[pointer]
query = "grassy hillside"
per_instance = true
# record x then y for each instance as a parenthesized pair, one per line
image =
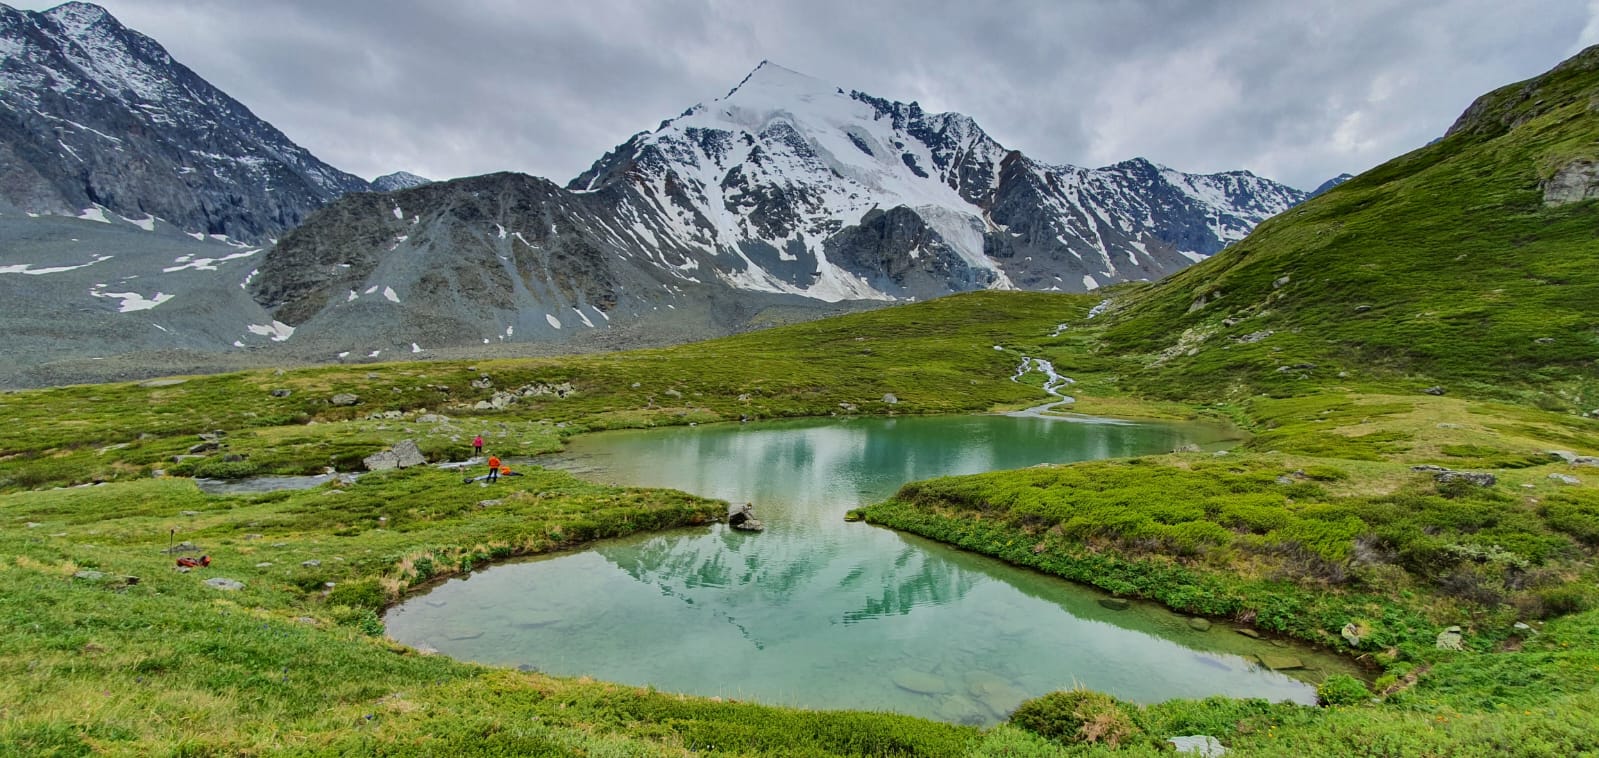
(1442, 265)
(935, 357)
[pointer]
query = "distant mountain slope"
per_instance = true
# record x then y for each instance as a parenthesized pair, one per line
(1330, 183)
(1472, 260)
(495, 259)
(74, 292)
(94, 115)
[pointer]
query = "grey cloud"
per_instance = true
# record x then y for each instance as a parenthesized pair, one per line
(1294, 91)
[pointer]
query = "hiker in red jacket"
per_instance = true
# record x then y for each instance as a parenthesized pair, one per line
(477, 445)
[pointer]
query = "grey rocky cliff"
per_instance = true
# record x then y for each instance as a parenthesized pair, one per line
(1574, 182)
(93, 113)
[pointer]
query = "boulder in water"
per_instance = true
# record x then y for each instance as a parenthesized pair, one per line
(742, 517)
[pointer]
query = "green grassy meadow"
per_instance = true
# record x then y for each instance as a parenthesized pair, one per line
(1319, 335)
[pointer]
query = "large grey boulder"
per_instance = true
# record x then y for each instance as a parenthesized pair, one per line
(1353, 633)
(404, 454)
(1202, 745)
(1572, 183)
(1469, 477)
(344, 398)
(1253, 337)
(1451, 639)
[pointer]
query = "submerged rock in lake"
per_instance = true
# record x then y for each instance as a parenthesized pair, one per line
(959, 709)
(996, 693)
(1279, 662)
(919, 682)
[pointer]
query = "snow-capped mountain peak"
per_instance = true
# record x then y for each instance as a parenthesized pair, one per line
(399, 180)
(770, 78)
(782, 176)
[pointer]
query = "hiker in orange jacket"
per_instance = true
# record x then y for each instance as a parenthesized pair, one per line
(494, 468)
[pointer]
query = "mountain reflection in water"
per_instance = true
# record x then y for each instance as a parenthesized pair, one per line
(819, 613)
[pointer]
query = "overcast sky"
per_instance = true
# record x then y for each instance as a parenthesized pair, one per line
(1297, 91)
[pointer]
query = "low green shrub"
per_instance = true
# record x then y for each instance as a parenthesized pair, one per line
(1567, 599)
(424, 568)
(365, 593)
(1342, 689)
(1073, 717)
(221, 469)
(363, 620)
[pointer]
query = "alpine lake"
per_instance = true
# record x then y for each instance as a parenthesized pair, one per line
(815, 612)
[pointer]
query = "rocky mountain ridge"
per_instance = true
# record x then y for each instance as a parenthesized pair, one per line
(96, 118)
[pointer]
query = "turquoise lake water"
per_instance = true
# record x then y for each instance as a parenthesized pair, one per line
(819, 613)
